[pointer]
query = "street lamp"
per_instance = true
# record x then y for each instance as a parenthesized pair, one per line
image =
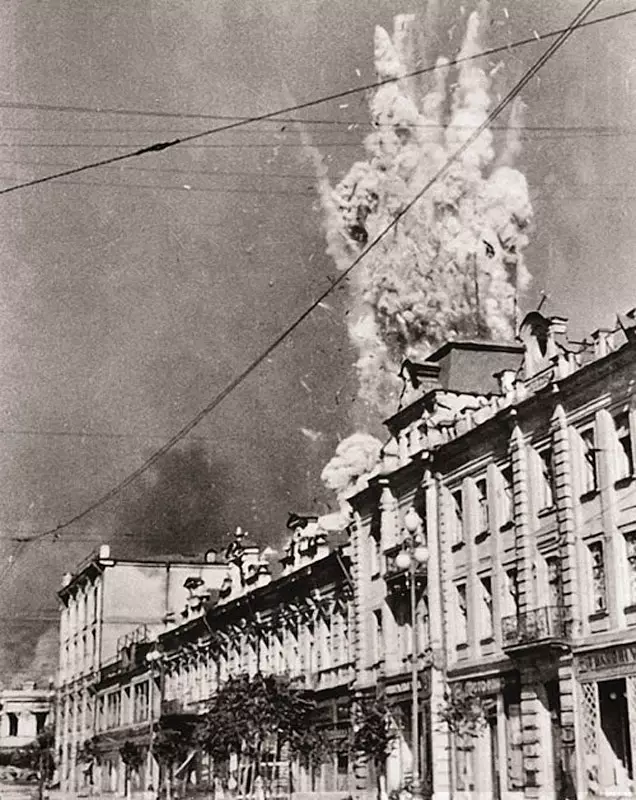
(411, 557)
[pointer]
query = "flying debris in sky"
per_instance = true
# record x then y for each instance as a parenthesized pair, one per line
(312, 435)
(433, 278)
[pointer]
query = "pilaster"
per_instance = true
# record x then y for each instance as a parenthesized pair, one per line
(519, 459)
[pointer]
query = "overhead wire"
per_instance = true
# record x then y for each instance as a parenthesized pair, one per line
(256, 362)
(161, 146)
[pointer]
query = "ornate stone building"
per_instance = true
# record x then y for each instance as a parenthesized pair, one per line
(525, 490)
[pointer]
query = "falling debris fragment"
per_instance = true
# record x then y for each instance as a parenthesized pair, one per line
(536, 36)
(304, 385)
(312, 435)
(344, 105)
(506, 14)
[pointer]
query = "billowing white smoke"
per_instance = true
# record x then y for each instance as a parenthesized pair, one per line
(453, 266)
(355, 458)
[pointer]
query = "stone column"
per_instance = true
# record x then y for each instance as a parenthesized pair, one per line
(519, 458)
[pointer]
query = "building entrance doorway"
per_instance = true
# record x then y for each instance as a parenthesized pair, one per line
(616, 754)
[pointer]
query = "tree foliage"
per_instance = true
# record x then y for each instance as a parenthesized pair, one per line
(372, 733)
(131, 754)
(249, 712)
(173, 740)
(464, 711)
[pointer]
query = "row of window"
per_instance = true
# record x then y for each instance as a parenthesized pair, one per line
(623, 467)
(130, 705)
(510, 591)
(315, 646)
(79, 654)
(82, 609)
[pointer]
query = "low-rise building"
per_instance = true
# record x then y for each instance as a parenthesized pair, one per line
(25, 712)
(291, 618)
(110, 606)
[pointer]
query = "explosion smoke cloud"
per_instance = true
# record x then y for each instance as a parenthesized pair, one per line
(453, 266)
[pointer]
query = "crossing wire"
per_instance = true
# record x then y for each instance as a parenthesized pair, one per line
(242, 376)
(158, 147)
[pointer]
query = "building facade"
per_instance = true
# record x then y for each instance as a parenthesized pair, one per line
(109, 607)
(525, 491)
(24, 713)
(505, 657)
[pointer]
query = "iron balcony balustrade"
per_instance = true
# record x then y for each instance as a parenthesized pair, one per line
(536, 629)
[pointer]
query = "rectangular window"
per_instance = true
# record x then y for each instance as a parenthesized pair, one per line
(630, 541)
(378, 635)
(599, 591)
(511, 595)
(375, 554)
(481, 486)
(547, 477)
(457, 515)
(624, 452)
(486, 616)
(462, 613)
(508, 498)
(590, 471)
(554, 581)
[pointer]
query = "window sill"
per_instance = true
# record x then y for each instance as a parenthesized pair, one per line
(507, 526)
(587, 496)
(621, 483)
(545, 512)
(481, 537)
(597, 615)
(457, 546)
(486, 640)
(631, 609)
(461, 647)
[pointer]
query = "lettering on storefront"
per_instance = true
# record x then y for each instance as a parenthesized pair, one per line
(404, 687)
(485, 686)
(619, 660)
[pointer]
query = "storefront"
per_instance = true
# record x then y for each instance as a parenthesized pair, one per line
(399, 765)
(605, 702)
(488, 754)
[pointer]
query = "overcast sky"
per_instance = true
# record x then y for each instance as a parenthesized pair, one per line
(128, 300)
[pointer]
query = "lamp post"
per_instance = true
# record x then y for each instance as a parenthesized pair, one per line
(152, 658)
(412, 556)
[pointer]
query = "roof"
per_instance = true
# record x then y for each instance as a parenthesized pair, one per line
(469, 367)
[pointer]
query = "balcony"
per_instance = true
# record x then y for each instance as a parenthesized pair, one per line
(542, 628)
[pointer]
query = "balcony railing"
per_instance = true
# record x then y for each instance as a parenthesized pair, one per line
(535, 628)
(397, 579)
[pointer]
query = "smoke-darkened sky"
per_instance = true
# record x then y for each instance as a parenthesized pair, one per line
(128, 300)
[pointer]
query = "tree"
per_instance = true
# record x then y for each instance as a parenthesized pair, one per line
(132, 755)
(373, 734)
(251, 714)
(39, 756)
(464, 711)
(172, 743)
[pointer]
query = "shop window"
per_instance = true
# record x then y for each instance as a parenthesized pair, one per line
(457, 516)
(589, 463)
(514, 739)
(461, 613)
(599, 590)
(486, 617)
(624, 451)
(613, 709)
(546, 494)
(481, 486)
